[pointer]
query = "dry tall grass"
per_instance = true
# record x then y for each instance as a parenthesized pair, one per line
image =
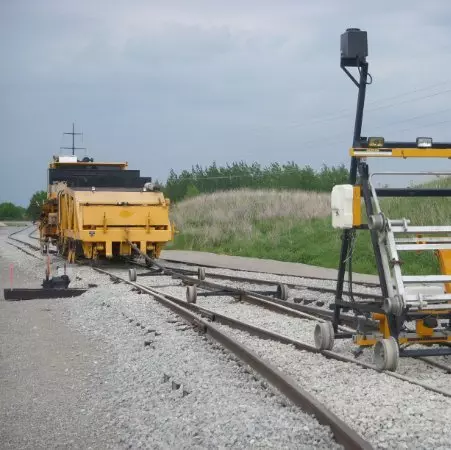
(211, 218)
(295, 226)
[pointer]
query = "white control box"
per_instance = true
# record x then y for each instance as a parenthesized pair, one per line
(67, 159)
(341, 203)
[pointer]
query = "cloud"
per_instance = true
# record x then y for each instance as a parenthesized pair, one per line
(170, 84)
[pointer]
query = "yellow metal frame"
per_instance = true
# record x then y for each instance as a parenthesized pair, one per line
(444, 258)
(424, 335)
(383, 152)
(357, 206)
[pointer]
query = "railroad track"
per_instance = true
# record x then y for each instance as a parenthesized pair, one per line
(187, 263)
(274, 298)
(278, 294)
(28, 244)
(33, 237)
(272, 302)
(275, 305)
(343, 434)
(296, 286)
(205, 320)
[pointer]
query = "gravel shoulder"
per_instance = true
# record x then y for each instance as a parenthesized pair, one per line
(50, 375)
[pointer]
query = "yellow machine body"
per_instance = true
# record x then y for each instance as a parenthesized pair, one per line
(104, 222)
(93, 222)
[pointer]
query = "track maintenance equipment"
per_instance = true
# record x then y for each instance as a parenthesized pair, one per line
(94, 209)
(52, 287)
(415, 311)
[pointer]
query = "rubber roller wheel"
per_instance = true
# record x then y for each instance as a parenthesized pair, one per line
(282, 291)
(201, 273)
(386, 354)
(191, 294)
(132, 274)
(324, 336)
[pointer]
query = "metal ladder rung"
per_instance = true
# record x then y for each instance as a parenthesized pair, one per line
(431, 307)
(417, 247)
(441, 298)
(426, 239)
(426, 279)
(422, 229)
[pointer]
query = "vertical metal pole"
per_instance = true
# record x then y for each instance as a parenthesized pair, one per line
(73, 138)
(360, 103)
(346, 236)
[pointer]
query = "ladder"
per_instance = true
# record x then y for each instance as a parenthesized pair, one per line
(412, 292)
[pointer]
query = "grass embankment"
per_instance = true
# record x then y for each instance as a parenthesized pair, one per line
(293, 226)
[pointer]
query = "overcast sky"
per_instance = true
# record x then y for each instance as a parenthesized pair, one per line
(168, 84)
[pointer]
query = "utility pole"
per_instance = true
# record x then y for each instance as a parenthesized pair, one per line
(73, 148)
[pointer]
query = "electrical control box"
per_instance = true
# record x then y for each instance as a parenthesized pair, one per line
(354, 44)
(342, 199)
(67, 159)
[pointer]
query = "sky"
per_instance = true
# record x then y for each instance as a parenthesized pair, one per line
(169, 84)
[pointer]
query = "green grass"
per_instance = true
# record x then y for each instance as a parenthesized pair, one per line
(293, 226)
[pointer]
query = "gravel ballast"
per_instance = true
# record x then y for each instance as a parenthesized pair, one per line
(295, 328)
(389, 412)
(163, 385)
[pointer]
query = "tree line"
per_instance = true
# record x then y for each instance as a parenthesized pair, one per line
(241, 175)
(199, 180)
(10, 211)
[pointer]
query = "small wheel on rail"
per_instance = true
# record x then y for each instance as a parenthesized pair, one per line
(201, 273)
(393, 305)
(324, 336)
(191, 294)
(132, 274)
(282, 291)
(386, 354)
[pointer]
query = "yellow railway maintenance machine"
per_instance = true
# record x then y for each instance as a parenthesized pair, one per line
(414, 311)
(96, 209)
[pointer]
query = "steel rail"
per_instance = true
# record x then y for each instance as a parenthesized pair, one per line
(311, 312)
(33, 237)
(280, 306)
(267, 334)
(276, 305)
(28, 244)
(23, 250)
(298, 286)
(267, 302)
(270, 303)
(343, 434)
(361, 283)
(286, 385)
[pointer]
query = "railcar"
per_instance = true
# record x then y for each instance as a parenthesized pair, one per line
(98, 209)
